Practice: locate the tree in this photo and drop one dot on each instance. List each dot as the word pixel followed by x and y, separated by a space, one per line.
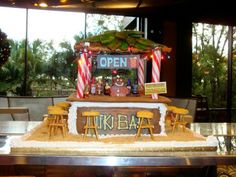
pixel 209 62
pixel 61 67
pixel 11 74
pixel 4 48
pixel 97 23
pixel 48 67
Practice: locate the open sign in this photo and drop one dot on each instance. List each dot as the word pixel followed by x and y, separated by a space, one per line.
pixel 117 61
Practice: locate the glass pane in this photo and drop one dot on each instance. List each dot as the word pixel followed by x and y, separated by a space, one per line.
pixel 234 78
pixel 210 50
pixel 97 23
pixel 52 34
pixel 13 24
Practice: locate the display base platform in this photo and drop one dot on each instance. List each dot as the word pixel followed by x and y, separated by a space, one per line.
pixel 37 141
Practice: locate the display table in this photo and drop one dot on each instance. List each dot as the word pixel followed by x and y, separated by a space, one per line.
pixel 117 113
pixel 225 154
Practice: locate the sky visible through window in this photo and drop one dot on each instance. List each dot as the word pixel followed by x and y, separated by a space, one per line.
pixel 43 24
pixel 12 22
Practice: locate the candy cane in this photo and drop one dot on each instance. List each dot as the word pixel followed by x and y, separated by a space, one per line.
pixel 89 69
pixel 81 81
pixel 156 69
pixel 141 73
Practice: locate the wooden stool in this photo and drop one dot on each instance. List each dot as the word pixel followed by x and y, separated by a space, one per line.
pixel 57 121
pixel 179 119
pixel 64 105
pixel 90 122
pixel 50 118
pixel 171 108
pixel 144 122
pixel 170 114
pixel 58 107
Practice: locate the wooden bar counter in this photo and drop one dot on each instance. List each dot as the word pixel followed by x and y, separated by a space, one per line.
pixel 118 114
pixel 134 99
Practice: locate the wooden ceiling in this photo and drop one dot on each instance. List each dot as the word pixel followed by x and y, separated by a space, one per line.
pixel 213 11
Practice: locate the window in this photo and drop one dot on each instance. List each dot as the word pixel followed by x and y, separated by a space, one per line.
pixel 13 24
pixel 210 67
pixel 50 37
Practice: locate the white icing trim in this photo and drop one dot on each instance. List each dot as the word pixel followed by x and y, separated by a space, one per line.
pixel 126 135
pixel 210 141
pixel 72 116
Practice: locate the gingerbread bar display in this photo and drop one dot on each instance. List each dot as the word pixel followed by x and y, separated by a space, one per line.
pixel 121 55
pixel 114 112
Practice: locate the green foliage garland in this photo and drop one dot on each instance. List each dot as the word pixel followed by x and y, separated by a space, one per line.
pixel 4 48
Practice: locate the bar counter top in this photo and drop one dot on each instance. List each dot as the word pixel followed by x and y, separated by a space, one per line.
pixel 225 155
pixel 104 98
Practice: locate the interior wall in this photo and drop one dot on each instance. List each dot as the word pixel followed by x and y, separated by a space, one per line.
pixel 184 59
pixel 169 65
pixel 154 33
pixel 164 32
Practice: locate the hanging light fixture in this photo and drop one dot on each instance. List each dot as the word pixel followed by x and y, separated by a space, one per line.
pixel 63 1
pixel 43 4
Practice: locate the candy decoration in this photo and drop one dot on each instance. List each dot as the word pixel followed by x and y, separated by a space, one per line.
pixel 84 60
pixel 81 81
pixel 89 70
pixel 141 73
pixel 156 69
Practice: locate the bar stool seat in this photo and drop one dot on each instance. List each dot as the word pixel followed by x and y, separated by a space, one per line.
pixel 145 123
pixel 64 105
pixel 57 121
pixel 179 118
pixel 51 118
pixel 171 108
pixel 90 122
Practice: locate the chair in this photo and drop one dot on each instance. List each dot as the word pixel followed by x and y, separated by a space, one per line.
pixel 57 121
pixel 90 122
pixel 145 123
pixel 179 114
pixel 15 110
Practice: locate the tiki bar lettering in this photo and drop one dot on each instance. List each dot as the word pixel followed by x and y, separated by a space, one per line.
pixel 121 122
pixel 133 123
pixel 105 122
pixel 117 120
